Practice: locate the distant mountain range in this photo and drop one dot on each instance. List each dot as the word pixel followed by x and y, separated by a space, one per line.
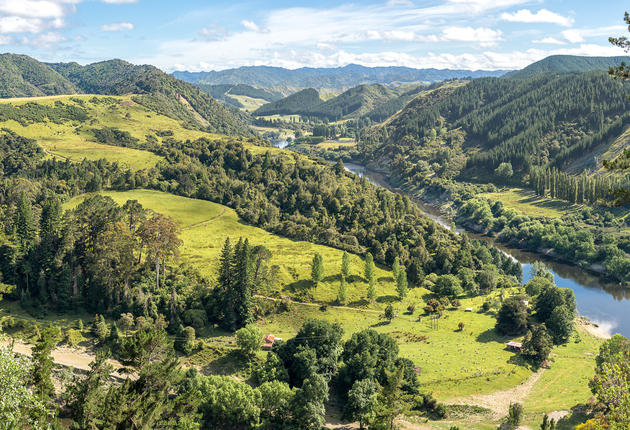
pixel 328 78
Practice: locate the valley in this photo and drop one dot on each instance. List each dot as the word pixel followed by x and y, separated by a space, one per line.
pixel 148 222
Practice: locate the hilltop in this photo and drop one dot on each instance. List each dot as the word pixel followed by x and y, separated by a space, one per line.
pixel 566 64
pixel 23 76
pixel 328 78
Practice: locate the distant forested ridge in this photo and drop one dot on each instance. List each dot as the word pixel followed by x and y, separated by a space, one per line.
pixel 567 64
pixel 359 101
pixel 23 76
pixel 552 121
pixel 339 77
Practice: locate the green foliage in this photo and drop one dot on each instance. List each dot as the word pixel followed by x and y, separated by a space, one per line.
pixel 187 342
pixel 228 404
pixel 515 415
pixel 362 403
pixel 512 317
pixel 401 283
pixel 611 384
pixel 448 285
pixel 566 64
pixel 547 423
pixel 317 269
pixel 272 370
pixel 504 170
pixel 42 365
pixel 309 403
pixel 369 276
pixel 20 406
pixel 345 265
pixel 389 313
pixel 560 324
pixel 249 339
pixel 22 76
pixel 536 285
pixel 343 294
pixel 537 344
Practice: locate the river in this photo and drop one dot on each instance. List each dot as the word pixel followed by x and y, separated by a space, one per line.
pixel 604 303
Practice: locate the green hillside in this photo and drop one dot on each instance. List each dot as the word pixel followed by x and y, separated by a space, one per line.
pixel 351 104
pixel 566 64
pixel 157 91
pixel 23 76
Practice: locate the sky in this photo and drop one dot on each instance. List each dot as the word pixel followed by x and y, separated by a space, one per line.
pixel 200 35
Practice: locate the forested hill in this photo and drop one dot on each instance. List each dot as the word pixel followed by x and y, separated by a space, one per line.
pixel 23 76
pixel 353 103
pixel 567 64
pixel 157 90
pixel 226 93
pixel 555 121
pixel 339 77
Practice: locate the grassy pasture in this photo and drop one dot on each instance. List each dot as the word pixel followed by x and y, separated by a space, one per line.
pixel 74 141
pixel 250 104
pixel 529 203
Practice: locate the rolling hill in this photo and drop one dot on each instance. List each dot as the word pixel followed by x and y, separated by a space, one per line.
pixel 351 104
pixel 330 78
pixel 554 121
pixel 566 64
pixel 23 76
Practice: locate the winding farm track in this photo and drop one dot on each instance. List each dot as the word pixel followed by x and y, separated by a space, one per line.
pixel 197 224
pixel 499 402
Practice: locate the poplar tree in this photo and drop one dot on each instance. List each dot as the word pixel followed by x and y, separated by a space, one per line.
pixel 345 265
pixel 369 276
pixel 317 269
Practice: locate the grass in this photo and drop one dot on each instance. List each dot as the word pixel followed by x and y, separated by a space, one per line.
pixel 205 225
pixel 73 141
pixel 343 142
pixel 529 203
pixel 250 104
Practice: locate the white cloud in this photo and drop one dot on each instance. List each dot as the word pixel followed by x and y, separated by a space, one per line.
pixel 17 24
pixel 32 8
pixel 5 40
pixel 542 16
pixel 120 1
pixel 483 36
pixel 45 40
pixel 550 41
pixel 573 36
pixel 250 25
pixel 117 26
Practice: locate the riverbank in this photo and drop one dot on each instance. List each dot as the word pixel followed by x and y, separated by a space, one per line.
pixel 604 303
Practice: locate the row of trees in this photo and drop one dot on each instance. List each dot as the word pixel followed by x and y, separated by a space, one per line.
pixel 574 189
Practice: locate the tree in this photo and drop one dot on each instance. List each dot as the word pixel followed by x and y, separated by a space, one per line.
pixel 369 276
pixel 396 267
pixel 401 283
pixel 25 224
pixel 389 313
pixel 20 407
pixel 85 396
pixel 537 344
pixel 317 269
pixel 275 404
pixel 342 295
pixel 228 404
pixel 308 403
pixel 362 402
pixel 187 342
pixel 560 325
pixel 515 415
pixel 512 317
pixel 448 285
pixel 160 235
pixel 504 170
pixel 536 285
pixel 345 265
pixel 43 364
pixel 249 340
pixel 390 400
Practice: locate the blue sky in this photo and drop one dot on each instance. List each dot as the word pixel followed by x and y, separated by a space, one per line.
pixel 212 35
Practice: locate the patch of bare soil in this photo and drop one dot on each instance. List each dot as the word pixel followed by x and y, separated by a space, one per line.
pixel 499 401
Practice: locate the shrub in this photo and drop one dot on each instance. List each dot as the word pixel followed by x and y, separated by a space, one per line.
pixel 411 309
pixel 461 326
pixel 74 337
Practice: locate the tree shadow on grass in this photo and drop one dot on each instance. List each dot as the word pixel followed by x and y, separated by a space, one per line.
pixel 387 299
pixel 358 303
pixel 332 278
pixel 228 364
pixel 380 323
pixel 355 278
pixel 385 279
pixel 489 335
pixel 299 286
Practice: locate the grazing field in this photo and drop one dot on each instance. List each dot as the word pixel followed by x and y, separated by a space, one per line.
pixel 529 203
pixel 344 142
pixel 250 104
pixel 205 225
pixel 73 140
